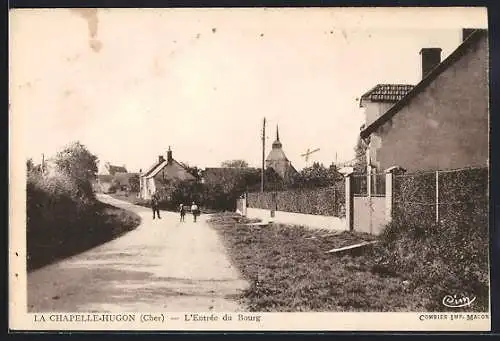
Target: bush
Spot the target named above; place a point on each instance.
(439, 259)
(63, 219)
(445, 257)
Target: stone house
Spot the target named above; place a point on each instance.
(440, 123)
(161, 176)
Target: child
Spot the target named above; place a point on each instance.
(195, 210)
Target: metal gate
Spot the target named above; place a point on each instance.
(369, 203)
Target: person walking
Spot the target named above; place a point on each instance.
(195, 210)
(155, 205)
(182, 210)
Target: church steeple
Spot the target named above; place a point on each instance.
(277, 159)
(277, 143)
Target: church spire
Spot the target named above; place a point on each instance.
(277, 143)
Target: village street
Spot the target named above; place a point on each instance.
(161, 265)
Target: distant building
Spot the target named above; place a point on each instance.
(278, 161)
(110, 169)
(162, 175)
(442, 122)
(110, 175)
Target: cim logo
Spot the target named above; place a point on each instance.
(455, 301)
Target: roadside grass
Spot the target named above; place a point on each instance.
(99, 223)
(289, 270)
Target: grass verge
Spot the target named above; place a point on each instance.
(99, 224)
(289, 270)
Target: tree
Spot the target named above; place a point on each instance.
(134, 183)
(193, 170)
(32, 168)
(317, 176)
(234, 163)
(78, 164)
(30, 165)
(360, 152)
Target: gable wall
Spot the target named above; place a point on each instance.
(443, 127)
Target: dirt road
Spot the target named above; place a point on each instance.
(162, 265)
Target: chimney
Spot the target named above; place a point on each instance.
(169, 154)
(466, 32)
(431, 57)
(160, 158)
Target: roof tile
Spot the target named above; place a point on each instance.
(387, 92)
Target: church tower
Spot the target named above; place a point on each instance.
(277, 159)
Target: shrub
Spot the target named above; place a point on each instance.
(62, 219)
(439, 259)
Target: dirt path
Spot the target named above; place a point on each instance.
(161, 265)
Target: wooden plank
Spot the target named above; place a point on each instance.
(350, 247)
(256, 224)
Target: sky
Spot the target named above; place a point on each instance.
(129, 83)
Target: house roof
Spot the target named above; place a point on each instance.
(389, 93)
(116, 169)
(170, 171)
(440, 68)
(152, 168)
(276, 154)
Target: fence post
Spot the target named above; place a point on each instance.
(390, 177)
(349, 200)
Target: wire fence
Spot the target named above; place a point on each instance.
(440, 196)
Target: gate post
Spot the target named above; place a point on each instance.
(390, 176)
(349, 197)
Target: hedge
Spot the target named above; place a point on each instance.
(328, 201)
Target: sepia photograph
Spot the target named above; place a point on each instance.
(224, 168)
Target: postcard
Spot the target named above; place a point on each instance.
(252, 169)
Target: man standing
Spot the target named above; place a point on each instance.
(155, 202)
(195, 210)
(182, 210)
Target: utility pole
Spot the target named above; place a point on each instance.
(263, 155)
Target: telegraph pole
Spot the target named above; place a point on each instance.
(263, 155)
